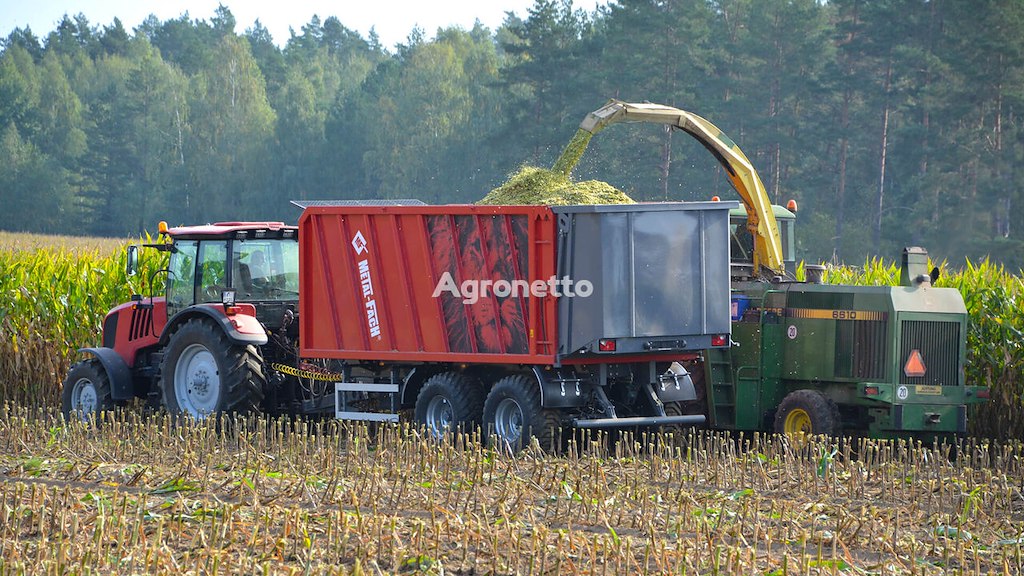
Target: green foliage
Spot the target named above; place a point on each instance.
(995, 340)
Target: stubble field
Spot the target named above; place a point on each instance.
(147, 495)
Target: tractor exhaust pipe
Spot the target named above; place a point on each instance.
(915, 268)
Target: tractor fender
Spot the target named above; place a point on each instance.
(117, 371)
(241, 328)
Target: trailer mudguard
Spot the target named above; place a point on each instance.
(676, 385)
(117, 371)
(241, 328)
(413, 382)
(558, 391)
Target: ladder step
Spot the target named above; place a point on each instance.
(342, 412)
(366, 416)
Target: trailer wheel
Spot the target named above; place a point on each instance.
(447, 401)
(807, 413)
(86, 392)
(513, 413)
(205, 373)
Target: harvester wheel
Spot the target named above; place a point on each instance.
(86, 392)
(205, 373)
(806, 413)
(448, 401)
(675, 430)
(513, 413)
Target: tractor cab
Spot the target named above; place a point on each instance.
(255, 262)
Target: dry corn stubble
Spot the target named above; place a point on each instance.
(325, 497)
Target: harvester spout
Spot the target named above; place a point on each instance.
(760, 217)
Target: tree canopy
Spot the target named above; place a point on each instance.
(890, 122)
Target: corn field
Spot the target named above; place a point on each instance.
(55, 291)
(284, 497)
(276, 497)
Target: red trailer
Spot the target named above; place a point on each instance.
(516, 317)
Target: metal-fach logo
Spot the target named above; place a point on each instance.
(360, 245)
(471, 291)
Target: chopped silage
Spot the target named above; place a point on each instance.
(540, 186)
(554, 187)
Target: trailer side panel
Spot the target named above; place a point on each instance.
(437, 283)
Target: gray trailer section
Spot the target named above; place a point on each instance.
(660, 276)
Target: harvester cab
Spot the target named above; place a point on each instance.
(742, 244)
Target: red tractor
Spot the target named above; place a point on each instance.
(196, 350)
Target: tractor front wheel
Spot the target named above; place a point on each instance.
(86, 392)
(205, 373)
(805, 413)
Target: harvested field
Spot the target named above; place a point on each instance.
(140, 495)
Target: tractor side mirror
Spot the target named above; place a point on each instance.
(132, 266)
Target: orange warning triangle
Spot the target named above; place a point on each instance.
(914, 368)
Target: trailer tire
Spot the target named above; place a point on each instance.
(204, 373)
(448, 401)
(86, 392)
(513, 414)
(807, 413)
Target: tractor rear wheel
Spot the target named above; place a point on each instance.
(448, 401)
(86, 392)
(513, 413)
(204, 373)
(805, 413)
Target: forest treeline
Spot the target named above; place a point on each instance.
(890, 122)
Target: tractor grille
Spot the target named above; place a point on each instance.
(141, 317)
(939, 345)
